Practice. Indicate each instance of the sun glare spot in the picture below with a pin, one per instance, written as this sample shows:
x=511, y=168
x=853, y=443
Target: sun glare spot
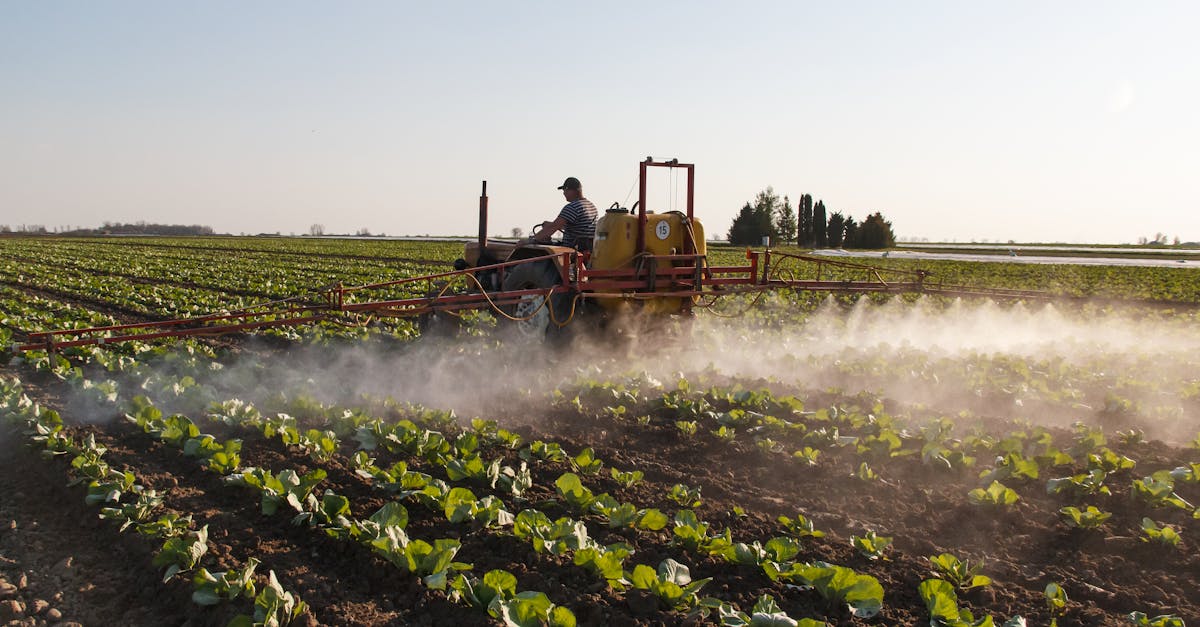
x=1120, y=97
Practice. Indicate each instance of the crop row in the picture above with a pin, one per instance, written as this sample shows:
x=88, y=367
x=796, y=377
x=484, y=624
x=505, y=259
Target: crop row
x=255, y=274
x=460, y=461
x=222, y=457
x=124, y=501
x=330, y=511
x=779, y=426
x=753, y=425
x=563, y=536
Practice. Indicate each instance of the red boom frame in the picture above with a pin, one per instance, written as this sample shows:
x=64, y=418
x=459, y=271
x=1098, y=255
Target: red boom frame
x=657, y=276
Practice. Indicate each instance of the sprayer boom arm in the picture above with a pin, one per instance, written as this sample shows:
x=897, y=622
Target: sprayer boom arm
x=688, y=278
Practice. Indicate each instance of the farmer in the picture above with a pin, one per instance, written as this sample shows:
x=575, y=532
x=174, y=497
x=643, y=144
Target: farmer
x=577, y=220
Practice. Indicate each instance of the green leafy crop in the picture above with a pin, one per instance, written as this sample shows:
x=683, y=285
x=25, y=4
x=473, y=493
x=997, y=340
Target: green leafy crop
x=685, y=496
x=626, y=479
x=533, y=609
x=1056, y=602
x=942, y=602
x=1158, y=490
x=1165, y=535
x=800, y=526
x=1165, y=620
x=1089, y=518
x=182, y=553
x=572, y=490
x=607, y=562
x=287, y=487
x=996, y=495
x=213, y=588
x=273, y=607
x=871, y=545
x=861, y=593
x=959, y=573
x=539, y=450
x=672, y=584
x=1091, y=482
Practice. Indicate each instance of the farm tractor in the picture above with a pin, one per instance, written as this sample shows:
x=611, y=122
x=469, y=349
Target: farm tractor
x=654, y=264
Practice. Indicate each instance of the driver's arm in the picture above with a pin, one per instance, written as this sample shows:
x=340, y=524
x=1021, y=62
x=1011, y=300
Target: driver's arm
x=550, y=228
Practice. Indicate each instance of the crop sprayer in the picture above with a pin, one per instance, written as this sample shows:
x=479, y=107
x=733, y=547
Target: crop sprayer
x=641, y=261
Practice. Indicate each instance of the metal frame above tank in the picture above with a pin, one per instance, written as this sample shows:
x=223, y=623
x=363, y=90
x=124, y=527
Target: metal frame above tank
x=691, y=192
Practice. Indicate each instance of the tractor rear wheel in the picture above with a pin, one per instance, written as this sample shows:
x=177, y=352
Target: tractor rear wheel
x=533, y=313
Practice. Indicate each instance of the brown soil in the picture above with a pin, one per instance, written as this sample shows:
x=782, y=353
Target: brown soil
x=54, y=549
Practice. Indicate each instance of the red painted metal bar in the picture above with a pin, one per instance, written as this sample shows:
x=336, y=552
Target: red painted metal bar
x=173, y=333
x=564, y=267
x=691, y=197
x=837, y=263
x=689, y=246
x=474, y=297
x=177, y=322
x=442, y=275
x=640, y=241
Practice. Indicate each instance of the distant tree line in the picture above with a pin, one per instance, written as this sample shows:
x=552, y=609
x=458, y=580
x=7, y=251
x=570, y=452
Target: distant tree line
x=808, y=225
x=145, y=228
x=112, y=228
x=1159, y=239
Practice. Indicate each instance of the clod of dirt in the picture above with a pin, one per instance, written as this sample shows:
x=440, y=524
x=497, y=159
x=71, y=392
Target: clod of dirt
x=641, y=602
x=11, y=610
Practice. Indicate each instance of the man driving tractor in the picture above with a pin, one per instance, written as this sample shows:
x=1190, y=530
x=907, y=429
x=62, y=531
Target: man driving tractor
x=577, y=220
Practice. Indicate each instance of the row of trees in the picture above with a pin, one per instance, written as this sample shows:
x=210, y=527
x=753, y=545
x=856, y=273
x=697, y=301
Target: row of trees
x=810, y=227
x=318, y=230
x=113, y=228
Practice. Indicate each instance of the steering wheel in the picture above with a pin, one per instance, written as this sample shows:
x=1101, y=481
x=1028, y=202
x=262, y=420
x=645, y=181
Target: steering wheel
x=533, y=232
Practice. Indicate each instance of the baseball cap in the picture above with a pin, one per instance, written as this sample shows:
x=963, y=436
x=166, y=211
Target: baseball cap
x=571, y=183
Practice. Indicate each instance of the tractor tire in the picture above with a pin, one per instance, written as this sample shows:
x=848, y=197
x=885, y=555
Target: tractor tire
x=536, y=318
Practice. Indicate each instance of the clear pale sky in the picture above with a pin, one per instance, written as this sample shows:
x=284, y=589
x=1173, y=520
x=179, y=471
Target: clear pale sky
x=1035, y=121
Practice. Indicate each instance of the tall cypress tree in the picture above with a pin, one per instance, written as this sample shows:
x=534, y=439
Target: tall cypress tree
x=805, y=238
x=819, y=235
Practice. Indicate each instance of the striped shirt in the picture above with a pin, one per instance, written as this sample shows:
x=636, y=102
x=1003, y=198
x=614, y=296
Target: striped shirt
x=580, y=218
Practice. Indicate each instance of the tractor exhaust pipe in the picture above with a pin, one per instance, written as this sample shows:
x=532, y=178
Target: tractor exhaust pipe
x=483, y=211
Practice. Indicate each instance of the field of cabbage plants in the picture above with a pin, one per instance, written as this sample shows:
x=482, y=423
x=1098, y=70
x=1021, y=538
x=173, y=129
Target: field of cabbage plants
x=786, y=460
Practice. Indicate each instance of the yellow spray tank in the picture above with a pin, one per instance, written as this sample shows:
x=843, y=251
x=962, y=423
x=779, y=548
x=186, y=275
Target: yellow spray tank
x=627, y=239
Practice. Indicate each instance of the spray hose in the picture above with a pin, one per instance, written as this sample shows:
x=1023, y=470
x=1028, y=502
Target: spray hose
x=499, y=310
x=779, y=267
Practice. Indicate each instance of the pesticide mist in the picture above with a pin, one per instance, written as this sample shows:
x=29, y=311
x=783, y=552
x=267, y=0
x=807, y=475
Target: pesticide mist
x=1036, y=363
